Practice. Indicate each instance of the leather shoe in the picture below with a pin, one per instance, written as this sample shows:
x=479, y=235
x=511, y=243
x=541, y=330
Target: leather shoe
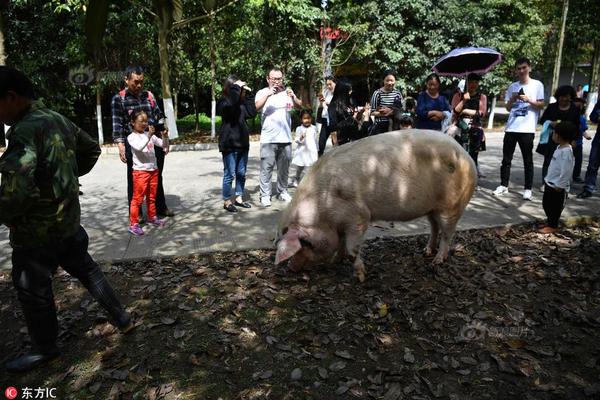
x=584, y=195
x=230, y=207
x=244, y=204
x=31, y=360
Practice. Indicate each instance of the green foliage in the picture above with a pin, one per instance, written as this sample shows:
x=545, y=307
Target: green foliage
x=46, y=39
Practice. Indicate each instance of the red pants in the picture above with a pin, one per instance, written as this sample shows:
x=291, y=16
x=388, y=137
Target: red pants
x=144, y=184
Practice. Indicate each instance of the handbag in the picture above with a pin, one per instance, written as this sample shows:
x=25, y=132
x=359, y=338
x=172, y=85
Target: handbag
x=547, y=132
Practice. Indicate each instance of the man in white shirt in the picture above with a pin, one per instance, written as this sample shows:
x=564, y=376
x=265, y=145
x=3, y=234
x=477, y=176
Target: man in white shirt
x=275, y=102
x=524, y=100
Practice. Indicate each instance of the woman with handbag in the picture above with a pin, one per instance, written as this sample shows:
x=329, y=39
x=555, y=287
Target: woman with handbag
x=564, y=109
x=468, y=110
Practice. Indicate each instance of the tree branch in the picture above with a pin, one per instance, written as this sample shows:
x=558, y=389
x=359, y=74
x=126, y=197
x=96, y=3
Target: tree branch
x=184, y=22
x=347, y=58
x=135, y=3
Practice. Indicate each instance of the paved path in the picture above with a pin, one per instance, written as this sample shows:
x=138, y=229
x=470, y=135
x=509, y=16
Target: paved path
x=193, y=186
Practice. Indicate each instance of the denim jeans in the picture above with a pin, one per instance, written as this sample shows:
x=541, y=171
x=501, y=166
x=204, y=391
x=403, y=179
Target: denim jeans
x=525, y=141
x=592, y=169
x=234, y=164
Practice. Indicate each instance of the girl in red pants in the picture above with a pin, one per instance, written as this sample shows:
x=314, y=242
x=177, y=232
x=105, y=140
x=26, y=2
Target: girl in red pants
x=145, y=170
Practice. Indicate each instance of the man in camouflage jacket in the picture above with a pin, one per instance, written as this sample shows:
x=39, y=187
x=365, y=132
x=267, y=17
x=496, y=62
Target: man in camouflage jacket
x=39, y=203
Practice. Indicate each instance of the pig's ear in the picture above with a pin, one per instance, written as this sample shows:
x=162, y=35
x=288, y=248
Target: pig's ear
x=288, y=246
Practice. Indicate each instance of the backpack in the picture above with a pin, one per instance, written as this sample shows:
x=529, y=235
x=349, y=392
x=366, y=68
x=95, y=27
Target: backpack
x=150, y=97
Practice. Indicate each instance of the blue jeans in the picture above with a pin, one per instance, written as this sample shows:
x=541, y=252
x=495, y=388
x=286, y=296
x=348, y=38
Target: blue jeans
x=234, y=163
x=592, y=170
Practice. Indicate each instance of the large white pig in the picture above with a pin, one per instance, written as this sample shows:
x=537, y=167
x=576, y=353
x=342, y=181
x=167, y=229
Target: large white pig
x=397, y=176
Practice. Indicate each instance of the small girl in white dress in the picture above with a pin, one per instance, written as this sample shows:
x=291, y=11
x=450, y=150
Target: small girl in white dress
x=308, y=147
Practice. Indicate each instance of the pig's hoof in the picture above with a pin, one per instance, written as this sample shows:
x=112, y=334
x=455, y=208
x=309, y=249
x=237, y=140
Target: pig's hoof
x=294, y=268
x=438, y=260
x=428, y=251
x=361, y=276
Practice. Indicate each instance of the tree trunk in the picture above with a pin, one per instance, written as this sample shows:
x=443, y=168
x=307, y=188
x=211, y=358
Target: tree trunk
x=556, y=75
x=572, y=75
x=592, y=97
x=163, y=54
x=492, y=114
x=196, y=100
x=99, y=114
x=213, y=79
x=2, y=48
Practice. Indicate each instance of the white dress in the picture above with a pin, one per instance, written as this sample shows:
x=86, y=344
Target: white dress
x=307, y=151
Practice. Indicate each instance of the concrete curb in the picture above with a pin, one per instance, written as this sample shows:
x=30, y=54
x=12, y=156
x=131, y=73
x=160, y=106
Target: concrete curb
x=113, y=149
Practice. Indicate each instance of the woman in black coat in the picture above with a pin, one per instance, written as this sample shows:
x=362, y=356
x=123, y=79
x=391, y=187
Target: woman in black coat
x=564, y=109
x=343, y=122
x=235, y=106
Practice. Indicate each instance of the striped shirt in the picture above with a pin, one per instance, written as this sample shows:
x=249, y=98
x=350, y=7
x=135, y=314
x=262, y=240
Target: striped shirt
x=381, y=98
x=121, y=107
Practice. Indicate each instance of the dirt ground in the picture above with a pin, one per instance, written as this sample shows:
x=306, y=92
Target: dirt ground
x=512, y=315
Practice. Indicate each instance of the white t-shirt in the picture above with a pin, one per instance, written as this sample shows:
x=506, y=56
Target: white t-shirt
x=276, y=117
x=561, y=168
x=328, y=96
x=523, y=116
x=142, y=148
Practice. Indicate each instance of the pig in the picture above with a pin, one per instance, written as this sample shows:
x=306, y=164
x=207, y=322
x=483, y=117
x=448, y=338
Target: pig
x=396, y=176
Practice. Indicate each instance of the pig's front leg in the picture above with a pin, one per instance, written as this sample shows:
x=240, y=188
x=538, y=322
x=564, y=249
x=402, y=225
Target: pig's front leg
x=354, y=239
x=447, y=227
x=434, y=223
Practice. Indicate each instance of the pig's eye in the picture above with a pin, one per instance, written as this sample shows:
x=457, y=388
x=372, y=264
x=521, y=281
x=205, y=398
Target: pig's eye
x=306, y=243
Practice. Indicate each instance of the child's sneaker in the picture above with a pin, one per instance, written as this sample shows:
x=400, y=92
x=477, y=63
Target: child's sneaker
x=293, y=184
x=136, y=230
x=158, y=222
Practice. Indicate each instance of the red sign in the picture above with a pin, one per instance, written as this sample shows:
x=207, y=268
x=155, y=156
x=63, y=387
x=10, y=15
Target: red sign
x=333, y=33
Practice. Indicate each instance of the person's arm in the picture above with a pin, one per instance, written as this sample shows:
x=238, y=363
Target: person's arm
x=297, y=102
x=138, y=141
x=482, y=105
x=18, y=189
x=546, y=115
x=510, y=98
x=261, y=98
x=249, y=106
x=375, y=104
x=87, y=151
x=118, y=125
x=457, y=103
x=538, y=102
x=595, y=114
x=565, y=172
x=421, y=107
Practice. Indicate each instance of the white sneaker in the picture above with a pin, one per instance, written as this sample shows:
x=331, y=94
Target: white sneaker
x=265, y=201
x=293, y=184
x=527, y=194
x=285, y=197
x=500, y=190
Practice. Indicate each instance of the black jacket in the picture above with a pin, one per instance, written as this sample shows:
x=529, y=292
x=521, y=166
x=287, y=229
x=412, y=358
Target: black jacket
x=234, y=134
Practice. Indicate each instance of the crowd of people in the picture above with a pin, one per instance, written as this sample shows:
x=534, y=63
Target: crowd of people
x=46, y=154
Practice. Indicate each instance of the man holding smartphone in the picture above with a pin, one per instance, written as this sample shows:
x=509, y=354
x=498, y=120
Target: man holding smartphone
x=524, y=100
x=275, y=103
x=131, y=99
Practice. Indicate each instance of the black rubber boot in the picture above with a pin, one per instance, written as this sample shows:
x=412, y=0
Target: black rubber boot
x=101, y=290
